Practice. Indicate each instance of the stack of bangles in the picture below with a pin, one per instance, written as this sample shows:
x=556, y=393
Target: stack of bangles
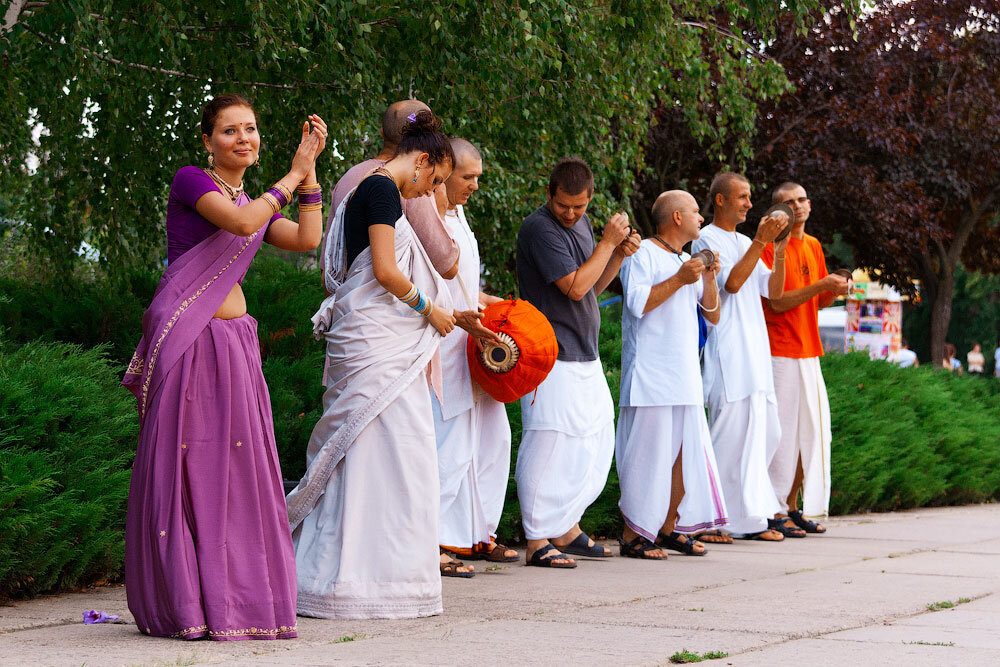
x=416, y=300
x=310, y=197
x=278, y=197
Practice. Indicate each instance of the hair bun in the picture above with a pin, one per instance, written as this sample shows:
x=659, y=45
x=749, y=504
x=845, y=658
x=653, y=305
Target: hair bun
x=422, y=122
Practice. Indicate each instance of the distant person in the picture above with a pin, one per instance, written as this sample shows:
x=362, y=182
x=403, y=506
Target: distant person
x=802, y=460
x=996, y=361
x=901, y=354
x=569, y=423
x=950, y=361
x=976, y=360
x=208, y=552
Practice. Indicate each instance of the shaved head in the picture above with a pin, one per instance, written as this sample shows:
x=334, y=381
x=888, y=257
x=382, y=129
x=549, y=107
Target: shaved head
x=668, y=202
x=464, y=152
x=395, y=119
x=779, y=193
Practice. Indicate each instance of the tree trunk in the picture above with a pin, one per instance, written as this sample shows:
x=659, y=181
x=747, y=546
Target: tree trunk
x=941, y=311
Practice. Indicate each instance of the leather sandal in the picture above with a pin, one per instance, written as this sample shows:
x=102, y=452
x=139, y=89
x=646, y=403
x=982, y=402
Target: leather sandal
x=539, y=559
x=713, y=537
x=450, y=569
x=580, y=546
x=639, y=548
x=682, y=543
x=769, y=535
x=781, y=525
x=804, y=523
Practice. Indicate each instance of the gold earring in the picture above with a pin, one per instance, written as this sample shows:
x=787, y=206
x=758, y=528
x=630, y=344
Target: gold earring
x=211, y=161
x=416, y=172
x=256, y=161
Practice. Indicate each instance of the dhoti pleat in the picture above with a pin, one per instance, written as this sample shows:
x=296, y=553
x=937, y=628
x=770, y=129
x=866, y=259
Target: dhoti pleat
x=369, y=549
x=743, y=432
x=648, y=442
x=207, y=546
x=804, y=414
x=473, y=454
x=567, y=444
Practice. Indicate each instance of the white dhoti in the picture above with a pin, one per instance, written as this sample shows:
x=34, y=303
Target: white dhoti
x=804, y=414
x=473, y=456
x=649, y=440
x=566, y=448
x=743, y=432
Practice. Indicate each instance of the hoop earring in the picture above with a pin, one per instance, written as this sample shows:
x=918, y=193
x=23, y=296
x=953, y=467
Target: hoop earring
x=211, y=161
x=416, y=172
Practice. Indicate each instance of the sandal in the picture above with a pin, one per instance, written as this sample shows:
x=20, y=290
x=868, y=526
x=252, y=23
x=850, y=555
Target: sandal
x=714, y=537
x=496, y=554
x=450, y=569
x=804, y=523
x=769, y=535
x=681, y=543
x=639, y=548
x=783, y=527
x=581, y=547
x=539, y=559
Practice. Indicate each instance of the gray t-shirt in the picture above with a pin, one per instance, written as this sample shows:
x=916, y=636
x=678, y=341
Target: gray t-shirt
x=547, y=251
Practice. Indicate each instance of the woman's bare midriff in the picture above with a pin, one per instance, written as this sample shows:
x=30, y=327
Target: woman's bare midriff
x=234, y=306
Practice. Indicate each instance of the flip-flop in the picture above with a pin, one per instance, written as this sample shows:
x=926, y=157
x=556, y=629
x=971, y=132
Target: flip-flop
x=759, y=535
x=787, y=531
x=673, y=542
x=581, y=547
x=539, y=559
x=639, y=548
x=804, y=523
x=713, y=537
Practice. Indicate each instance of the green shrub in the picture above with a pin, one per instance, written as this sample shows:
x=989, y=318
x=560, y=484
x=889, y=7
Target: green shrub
x=67, y=437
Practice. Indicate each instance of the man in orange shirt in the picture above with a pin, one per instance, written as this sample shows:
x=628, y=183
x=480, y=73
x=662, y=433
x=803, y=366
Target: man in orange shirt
x=802, y=458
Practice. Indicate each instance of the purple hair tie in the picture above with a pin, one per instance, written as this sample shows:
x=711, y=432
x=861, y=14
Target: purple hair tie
x=412, y=118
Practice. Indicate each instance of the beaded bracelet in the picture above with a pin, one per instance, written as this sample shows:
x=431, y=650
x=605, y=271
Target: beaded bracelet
x=310, y=197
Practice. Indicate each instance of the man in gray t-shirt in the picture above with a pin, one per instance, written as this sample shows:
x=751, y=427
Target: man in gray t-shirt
x=568, y=432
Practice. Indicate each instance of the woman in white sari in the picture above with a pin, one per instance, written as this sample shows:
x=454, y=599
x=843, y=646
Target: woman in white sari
x=364, y=518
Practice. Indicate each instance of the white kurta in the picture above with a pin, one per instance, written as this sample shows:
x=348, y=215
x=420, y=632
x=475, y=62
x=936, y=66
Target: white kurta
x=371, y=484
x=661, y=402
x=739, y=387
x=568, y=439
x=473, y=434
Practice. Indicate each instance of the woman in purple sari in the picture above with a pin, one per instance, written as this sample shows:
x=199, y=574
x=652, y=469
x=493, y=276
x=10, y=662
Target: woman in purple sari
x=207, y=546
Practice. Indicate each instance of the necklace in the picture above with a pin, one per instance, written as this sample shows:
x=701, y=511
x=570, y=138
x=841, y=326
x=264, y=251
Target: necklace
x=231, y=192
x=666, y=245
x=382, y=171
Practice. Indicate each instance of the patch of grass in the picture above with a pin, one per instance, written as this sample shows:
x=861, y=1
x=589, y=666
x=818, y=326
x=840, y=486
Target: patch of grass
x=938, y=606
x=685, y=656
x=964, y=600
x=922, y=643
x=696, y=609
x=349, y=638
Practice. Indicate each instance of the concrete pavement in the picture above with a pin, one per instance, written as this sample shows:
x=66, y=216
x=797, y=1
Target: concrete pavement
x=857, y=594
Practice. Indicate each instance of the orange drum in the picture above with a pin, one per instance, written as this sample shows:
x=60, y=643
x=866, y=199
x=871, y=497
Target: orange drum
x=516, y=368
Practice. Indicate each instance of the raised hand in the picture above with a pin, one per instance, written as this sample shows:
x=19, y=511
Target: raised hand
x=713, y=270
x=630, y=244
x=310, y=146
x=771, y=226
x=617, y=229
x=691, y=270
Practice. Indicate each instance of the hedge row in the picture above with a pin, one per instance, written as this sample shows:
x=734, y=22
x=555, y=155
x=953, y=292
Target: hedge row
x=902, y=437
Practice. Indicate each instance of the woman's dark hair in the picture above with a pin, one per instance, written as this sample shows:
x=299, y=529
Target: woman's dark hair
x=217, y=104
x=423, y=133
x=572, y=176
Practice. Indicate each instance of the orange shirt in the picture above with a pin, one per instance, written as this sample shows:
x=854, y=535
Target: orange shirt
x=795, y=333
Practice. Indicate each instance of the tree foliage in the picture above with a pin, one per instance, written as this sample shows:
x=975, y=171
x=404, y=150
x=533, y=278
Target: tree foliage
x=119, y=86
x=896, y=137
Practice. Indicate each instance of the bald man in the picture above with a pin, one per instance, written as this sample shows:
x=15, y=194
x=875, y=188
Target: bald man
x=739, y=388
x=802, y=458
x=666, y=467
x=421, y=211
x=473, y=434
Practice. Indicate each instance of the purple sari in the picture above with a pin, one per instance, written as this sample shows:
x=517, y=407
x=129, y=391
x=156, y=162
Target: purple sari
x=207, y=545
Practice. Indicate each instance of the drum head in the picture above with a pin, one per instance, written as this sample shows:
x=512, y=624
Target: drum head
x=500, y=358
x=782, y=208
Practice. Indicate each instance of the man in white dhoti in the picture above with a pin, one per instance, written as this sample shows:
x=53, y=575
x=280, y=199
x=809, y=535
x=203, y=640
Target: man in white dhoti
x=365, y=515
x=473, y=434
x=802, y=458
x=568, y=426
x=739, y=387
x=669, y=481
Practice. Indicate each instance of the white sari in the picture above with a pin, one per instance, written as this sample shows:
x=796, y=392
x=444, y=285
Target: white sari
x=365, y=515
